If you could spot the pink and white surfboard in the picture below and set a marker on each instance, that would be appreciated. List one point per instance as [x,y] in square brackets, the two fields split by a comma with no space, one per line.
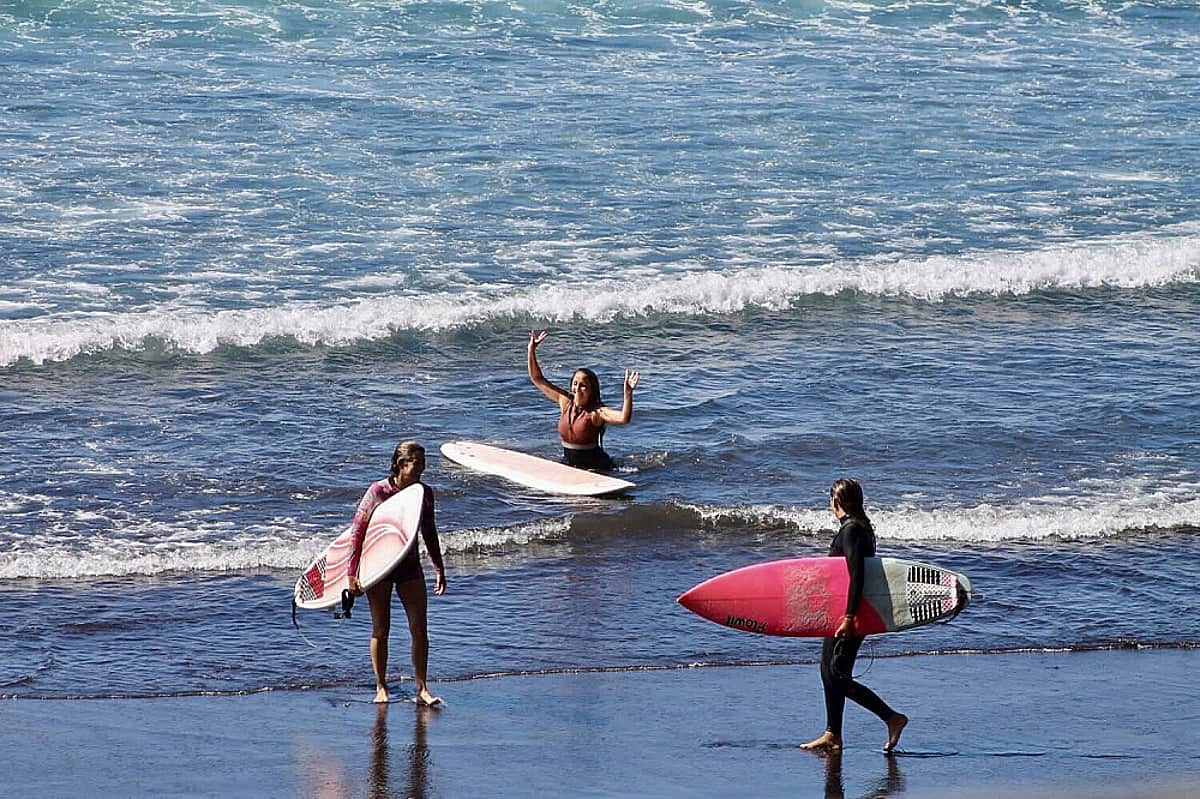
[807,596]
[532,471]
[390,535]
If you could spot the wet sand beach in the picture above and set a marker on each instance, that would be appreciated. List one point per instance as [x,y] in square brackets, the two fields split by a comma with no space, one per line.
[1111,723]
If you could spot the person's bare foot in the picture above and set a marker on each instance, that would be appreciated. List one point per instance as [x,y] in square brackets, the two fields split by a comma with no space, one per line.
[427,699]
[381,695]
[826,742]
[895,725]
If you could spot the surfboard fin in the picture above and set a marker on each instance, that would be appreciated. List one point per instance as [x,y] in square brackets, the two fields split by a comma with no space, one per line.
[347,604]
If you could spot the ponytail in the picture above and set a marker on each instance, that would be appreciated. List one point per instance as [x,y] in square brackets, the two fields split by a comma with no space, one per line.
[405,451]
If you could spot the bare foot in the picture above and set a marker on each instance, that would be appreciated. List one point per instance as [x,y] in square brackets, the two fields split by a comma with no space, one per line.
[896,725]
[381,695]
[827,742]
[427,699]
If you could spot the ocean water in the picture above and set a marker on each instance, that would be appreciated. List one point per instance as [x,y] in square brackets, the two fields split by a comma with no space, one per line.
[952,249]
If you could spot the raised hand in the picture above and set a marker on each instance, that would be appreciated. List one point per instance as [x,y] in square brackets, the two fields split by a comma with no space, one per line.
[536,337]
[631,379]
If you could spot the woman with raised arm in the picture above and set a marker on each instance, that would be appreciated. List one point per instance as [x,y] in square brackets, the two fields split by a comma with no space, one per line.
[582,415]
[855,541]
[408,463]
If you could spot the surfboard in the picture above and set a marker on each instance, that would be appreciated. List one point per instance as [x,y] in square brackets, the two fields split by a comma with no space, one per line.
[531,471]
[807,596]
[391,534]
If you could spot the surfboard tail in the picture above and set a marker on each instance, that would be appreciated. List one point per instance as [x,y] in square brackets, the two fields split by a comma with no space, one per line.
[962,590]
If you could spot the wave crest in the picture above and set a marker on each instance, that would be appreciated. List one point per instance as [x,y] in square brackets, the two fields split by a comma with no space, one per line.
[1123,264]
[185,547]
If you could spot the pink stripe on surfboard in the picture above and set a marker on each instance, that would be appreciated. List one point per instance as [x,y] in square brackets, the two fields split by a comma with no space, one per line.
[807,596]
[389,536]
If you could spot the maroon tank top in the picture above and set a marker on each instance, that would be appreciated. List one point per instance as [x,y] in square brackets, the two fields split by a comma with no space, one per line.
[576,430]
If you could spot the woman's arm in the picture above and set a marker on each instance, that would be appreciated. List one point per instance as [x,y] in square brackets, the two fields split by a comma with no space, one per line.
[362,518]
[856,565]
[433,546]
[611,415]
[548,389]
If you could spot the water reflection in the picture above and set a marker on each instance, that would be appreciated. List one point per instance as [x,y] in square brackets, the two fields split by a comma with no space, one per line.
[414,782]
[891,784]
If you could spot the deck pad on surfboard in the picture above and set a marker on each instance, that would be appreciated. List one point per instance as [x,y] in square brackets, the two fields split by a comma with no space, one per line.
[532,471]
[807,596]
[391,534]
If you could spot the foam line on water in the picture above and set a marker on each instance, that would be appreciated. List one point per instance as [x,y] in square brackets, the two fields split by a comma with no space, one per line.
[86,547]
[1032,519]
[161,548]
[1124,263]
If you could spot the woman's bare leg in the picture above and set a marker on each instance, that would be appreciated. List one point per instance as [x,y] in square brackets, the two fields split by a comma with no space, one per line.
[380,598]
[416,601]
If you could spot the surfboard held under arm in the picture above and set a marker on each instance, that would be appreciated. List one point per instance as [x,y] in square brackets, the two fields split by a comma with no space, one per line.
[807,596]
[531,471]
[391,534]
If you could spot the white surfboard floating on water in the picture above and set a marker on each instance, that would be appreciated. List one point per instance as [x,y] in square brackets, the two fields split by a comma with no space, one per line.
[532,471]
[391,535]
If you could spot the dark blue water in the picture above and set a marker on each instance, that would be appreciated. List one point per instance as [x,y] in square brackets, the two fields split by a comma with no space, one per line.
[246,249]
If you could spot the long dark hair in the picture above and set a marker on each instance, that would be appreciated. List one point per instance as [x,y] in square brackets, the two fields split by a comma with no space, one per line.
[593,386]
[848,493]
[405,450]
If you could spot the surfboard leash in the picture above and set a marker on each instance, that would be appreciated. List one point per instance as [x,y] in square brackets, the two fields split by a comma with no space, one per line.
[347,604]
[296,624]
[342,612]
[870,661]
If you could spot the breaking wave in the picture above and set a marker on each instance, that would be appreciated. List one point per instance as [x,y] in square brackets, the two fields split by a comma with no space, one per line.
[1128,264]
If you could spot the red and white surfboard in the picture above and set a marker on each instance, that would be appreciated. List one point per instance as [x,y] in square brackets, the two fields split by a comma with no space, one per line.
[391,534]
[807,596]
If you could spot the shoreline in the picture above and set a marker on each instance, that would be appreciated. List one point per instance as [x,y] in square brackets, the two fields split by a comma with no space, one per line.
[1051,724]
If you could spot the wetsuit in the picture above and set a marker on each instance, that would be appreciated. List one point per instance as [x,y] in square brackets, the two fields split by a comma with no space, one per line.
[855,541]
[581,439]
[410,567]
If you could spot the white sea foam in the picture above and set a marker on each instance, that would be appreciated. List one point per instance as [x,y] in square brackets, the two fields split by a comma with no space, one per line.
[76,545]
[13,307]
[113,558]
[1094,512]
[1123,263]
[491,539]
[142,547]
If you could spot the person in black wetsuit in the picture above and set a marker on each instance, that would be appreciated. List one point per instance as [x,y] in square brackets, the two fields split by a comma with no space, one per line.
[582,415]
[855,541]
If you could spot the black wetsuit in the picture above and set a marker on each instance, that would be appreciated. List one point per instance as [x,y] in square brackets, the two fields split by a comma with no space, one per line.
[855,541]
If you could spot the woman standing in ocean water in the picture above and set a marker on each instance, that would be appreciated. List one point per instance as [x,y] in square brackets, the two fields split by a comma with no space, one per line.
[582,414]
[408,463]
[855,541]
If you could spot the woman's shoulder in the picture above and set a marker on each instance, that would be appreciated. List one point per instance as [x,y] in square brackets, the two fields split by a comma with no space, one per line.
[856,528]
[382,486]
